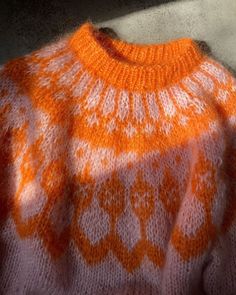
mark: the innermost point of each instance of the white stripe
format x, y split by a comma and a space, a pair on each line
92, 119
44, 81
111, 125
94, 95
123, 105
197, 92
199, 105
223, 95
58, 63
233, 81
60, 95
205, 81
215, 71
68, 77
167, 103
192, 86
109, 101
152, 106
182, 98
32, 67
82, 85
138, 106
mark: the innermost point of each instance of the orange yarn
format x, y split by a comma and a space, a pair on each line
138, 67
121, 156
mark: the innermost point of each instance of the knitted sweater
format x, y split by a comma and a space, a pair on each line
117, 169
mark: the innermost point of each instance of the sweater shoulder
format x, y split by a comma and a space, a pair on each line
23, 70
25, 79
216, 84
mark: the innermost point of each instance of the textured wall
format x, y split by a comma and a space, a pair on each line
27, 25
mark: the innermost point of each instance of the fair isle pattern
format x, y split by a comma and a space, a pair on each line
130, 183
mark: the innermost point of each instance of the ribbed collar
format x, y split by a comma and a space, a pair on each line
134, 66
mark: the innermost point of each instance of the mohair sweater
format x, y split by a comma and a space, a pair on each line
117, 169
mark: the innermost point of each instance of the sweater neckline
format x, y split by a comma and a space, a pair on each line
134, 66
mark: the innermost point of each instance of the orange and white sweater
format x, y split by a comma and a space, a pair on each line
117, 169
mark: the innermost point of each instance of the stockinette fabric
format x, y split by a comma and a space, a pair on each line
117, 169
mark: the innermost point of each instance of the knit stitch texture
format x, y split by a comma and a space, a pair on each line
117, 169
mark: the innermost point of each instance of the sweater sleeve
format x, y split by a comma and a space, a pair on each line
219, 274
11, 135
5, 150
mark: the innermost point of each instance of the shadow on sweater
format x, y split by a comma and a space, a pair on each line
8, 204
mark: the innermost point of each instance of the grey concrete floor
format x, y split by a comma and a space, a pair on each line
28, 25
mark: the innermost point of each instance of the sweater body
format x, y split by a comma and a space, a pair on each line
116, 178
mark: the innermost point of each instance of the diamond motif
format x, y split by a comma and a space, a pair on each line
95, 222
128, 228
31, 200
